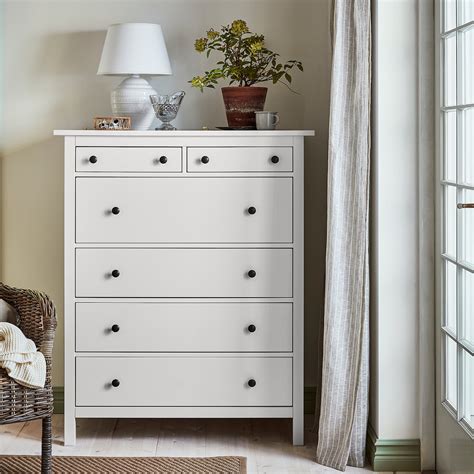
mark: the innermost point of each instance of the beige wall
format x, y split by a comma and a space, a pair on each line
51, 52
402, 279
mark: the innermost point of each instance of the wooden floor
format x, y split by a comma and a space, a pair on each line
265, 443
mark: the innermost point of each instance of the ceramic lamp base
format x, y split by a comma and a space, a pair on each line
132, 99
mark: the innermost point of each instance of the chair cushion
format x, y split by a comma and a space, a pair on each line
8, 313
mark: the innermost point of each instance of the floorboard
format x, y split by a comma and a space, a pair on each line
265, 443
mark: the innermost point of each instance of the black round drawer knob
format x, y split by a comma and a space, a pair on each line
205, 159
251, 383
115, 328
115, 273
251, 210
163, 160
115, 383
115, 211
252, 273
93, 159
251, 328
275, 159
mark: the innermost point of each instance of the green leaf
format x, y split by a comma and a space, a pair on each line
288, 77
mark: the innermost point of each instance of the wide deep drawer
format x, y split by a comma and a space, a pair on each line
128, 159
177, 210
243, 273
239, 159
184, 327
183, 381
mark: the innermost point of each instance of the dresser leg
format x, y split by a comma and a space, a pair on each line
298, 429
69, 429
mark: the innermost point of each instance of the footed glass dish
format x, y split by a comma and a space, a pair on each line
166, 108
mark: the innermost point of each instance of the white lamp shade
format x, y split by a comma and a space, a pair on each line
134, 48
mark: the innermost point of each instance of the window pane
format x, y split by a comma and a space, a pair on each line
467, 228
468, 385
449, 14
450, 70
467, 310
467, 152
451, 378
467, 11
467, 48
450, 145
450, 296
450, 209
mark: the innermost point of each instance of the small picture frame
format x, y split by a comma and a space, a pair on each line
112, 123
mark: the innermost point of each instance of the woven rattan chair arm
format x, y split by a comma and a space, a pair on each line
37, 316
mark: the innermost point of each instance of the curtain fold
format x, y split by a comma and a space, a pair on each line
345, 367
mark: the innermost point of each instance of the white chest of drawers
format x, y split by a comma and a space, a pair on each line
183, 275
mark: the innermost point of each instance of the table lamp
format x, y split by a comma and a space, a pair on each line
134, 50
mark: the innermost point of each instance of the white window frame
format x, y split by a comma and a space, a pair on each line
462, 345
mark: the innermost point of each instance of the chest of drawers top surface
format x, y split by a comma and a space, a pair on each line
185, 133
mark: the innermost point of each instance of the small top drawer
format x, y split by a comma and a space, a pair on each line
239, 159
128, 159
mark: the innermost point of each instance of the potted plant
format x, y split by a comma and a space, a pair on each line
246, 61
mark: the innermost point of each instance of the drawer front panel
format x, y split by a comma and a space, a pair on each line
184, 273
178, 210
239, 159
183, 381
128, 159
184, 327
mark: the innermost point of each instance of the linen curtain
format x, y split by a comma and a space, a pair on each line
345, 365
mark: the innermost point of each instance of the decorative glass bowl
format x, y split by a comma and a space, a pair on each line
166, 108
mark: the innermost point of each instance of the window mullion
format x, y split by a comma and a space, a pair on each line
459, 222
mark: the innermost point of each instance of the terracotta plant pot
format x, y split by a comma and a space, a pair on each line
241, 103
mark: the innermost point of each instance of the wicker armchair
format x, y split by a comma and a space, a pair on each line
37, 320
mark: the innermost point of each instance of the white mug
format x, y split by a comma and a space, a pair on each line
266, 120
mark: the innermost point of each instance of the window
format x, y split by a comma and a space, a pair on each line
457, 195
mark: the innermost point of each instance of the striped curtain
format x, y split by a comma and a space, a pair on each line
345, 366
